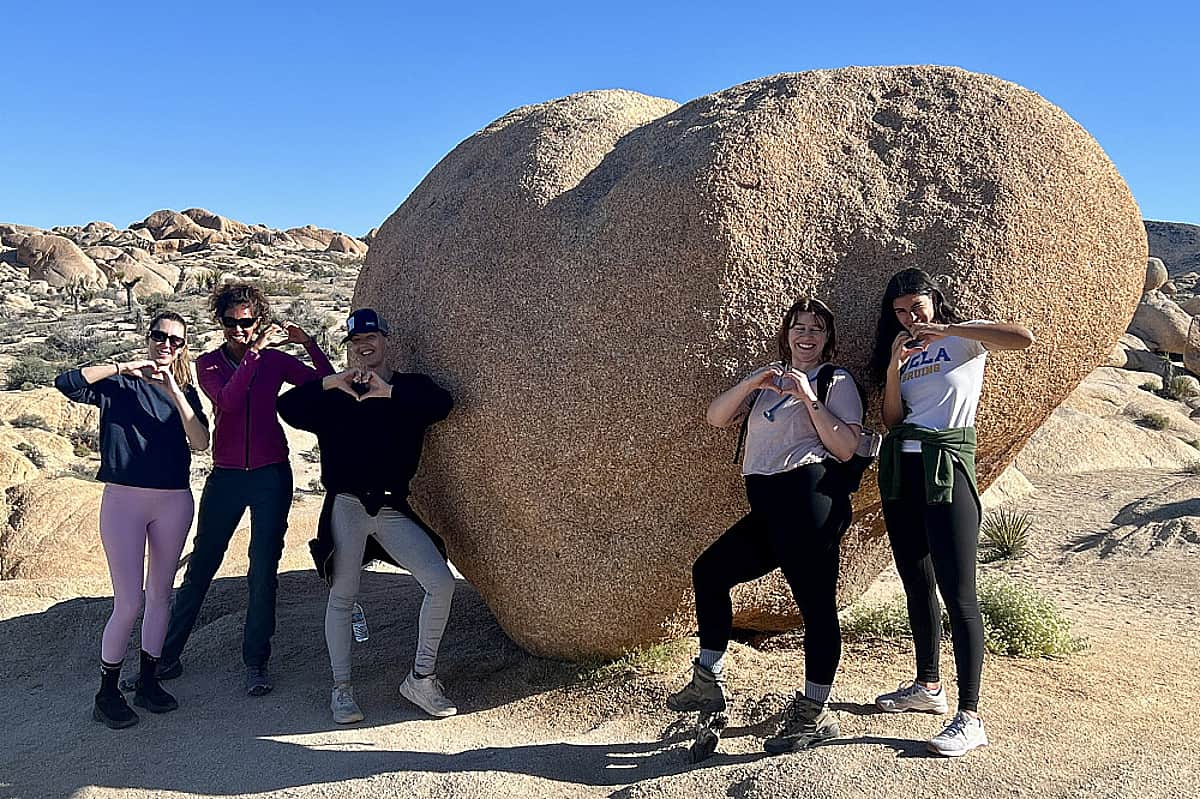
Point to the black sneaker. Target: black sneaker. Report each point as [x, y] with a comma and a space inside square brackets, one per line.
[807, 722]
[258, 682]
[113, 711]
[171, 672]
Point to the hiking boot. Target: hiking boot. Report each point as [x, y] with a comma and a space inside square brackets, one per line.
[258, 681]
[961, 735]
[111, 709]
[171, 671]
[149, 693]
[705, 693]
[345, 709]
[912, 696]
[427, 693]
[807, 722]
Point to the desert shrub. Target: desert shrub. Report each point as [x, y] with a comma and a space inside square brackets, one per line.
[1156, 421]
[207, 279]
[1180, 387]
[31, 420]
[315, 486]
[155, 303]
[248, 251]
[1005, 534]
[281, 288]
[1020, 622]
[30, 371]
[653, 659]
[83, 471]
[85, 440]
[1150, 386]
[887, 621]
[312, 455]
[35, 455]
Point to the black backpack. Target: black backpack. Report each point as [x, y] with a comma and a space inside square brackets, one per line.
[850, 472]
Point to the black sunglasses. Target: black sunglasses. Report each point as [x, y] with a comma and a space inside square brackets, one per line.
[244, 324]
[159, 336]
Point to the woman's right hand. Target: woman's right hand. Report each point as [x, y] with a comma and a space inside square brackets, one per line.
[143, 368]
[343, 381]
[765, 377]
[901, 353]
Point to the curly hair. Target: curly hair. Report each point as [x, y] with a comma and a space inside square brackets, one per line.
[226, 295]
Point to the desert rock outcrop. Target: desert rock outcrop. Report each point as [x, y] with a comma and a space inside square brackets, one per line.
[58, 261]
[588, 273]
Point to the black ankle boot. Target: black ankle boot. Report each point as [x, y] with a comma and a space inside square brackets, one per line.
[150, 693]
[111, 708]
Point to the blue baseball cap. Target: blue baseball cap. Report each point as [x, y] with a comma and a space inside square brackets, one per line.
[365, 320]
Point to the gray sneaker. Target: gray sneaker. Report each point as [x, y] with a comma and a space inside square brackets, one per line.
[427, 693]
[912, 696]
[807, 722]
[705, 693]
[345, 709]
[960, 736]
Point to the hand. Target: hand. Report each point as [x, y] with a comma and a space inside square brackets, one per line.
[376, 387]
[900, 352]
[765, 377]
[158, 375]
[796, 384]
[270, 336]
[927, 332]
[136, 368]
[343, 381]
[296, 334]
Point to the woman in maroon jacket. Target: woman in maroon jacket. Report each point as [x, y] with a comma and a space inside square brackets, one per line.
[242, 378]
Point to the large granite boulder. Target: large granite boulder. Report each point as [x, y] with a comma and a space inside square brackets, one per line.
[586, 274]
[343, 243]
[50, 528]
[231, 229]
[1161, 323]
[1156, 274]
[58, 261]
[311, 237]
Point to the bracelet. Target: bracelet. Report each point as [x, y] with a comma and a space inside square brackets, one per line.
[117, 366]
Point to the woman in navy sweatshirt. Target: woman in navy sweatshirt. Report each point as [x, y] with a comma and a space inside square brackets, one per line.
[150, 420]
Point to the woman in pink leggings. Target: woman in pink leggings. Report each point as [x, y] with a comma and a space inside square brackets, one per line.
[150, 420]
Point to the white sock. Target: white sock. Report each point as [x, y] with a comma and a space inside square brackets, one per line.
[817, 693]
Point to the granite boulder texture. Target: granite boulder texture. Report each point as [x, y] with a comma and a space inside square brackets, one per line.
[586, 274]
[58, 261]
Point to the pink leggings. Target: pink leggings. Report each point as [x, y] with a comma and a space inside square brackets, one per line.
[131, 518]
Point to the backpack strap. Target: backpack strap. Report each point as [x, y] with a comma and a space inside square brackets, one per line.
[741, 442]
[824, 381]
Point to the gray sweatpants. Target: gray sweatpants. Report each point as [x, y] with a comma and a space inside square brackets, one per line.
[409, 546]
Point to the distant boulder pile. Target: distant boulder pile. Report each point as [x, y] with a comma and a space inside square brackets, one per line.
[98, 255]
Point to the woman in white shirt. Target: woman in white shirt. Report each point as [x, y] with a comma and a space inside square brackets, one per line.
[931, 364]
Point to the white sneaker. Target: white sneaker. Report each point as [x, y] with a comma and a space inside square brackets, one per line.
[915, 697]
[960, 736]
[427, 693]
[345, 709]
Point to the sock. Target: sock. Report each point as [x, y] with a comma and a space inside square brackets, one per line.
[817, 693]
[110, 674]
[418, 675]
[712, 660]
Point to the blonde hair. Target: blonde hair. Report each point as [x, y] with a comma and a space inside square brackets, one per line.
[181, 365]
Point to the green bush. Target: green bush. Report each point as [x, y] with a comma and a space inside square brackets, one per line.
[83, 471]
[1180, 387]
[1005, 534]
[1150, 386]
[31, 420]
[34, 454]
[32, 371]
[85, 440]
[1156, 421]
[1019, 622]
[653, 659]
[155, 304]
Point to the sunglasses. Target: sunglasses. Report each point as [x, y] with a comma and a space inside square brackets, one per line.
[244, 324]
[159, 337]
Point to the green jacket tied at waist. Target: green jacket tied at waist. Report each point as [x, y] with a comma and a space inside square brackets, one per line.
[939, 448]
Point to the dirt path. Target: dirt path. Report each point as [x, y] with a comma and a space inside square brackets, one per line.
[1113, 721]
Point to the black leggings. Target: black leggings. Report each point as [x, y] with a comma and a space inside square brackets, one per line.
[935, 548]
[795, 523]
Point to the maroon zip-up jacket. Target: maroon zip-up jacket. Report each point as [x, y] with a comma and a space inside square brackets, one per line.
[247, 433]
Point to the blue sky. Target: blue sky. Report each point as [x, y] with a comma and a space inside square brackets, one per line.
[295, 113]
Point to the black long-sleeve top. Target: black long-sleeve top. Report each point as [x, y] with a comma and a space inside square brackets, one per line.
[142, 440]
[369, 449]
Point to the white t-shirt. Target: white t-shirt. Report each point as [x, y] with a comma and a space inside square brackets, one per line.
[791, 440]
[940, 386]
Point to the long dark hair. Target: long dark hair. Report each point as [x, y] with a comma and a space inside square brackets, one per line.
[816, 308]
[181, 367]
[905, 282]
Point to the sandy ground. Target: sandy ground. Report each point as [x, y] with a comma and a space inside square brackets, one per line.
[1113, 721]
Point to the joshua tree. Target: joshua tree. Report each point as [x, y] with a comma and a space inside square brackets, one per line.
[128, 286]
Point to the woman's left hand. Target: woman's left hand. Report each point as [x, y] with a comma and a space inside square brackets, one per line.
[796, 384]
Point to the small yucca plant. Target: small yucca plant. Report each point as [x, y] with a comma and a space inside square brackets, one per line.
[1005, 534]
[1180, 387]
